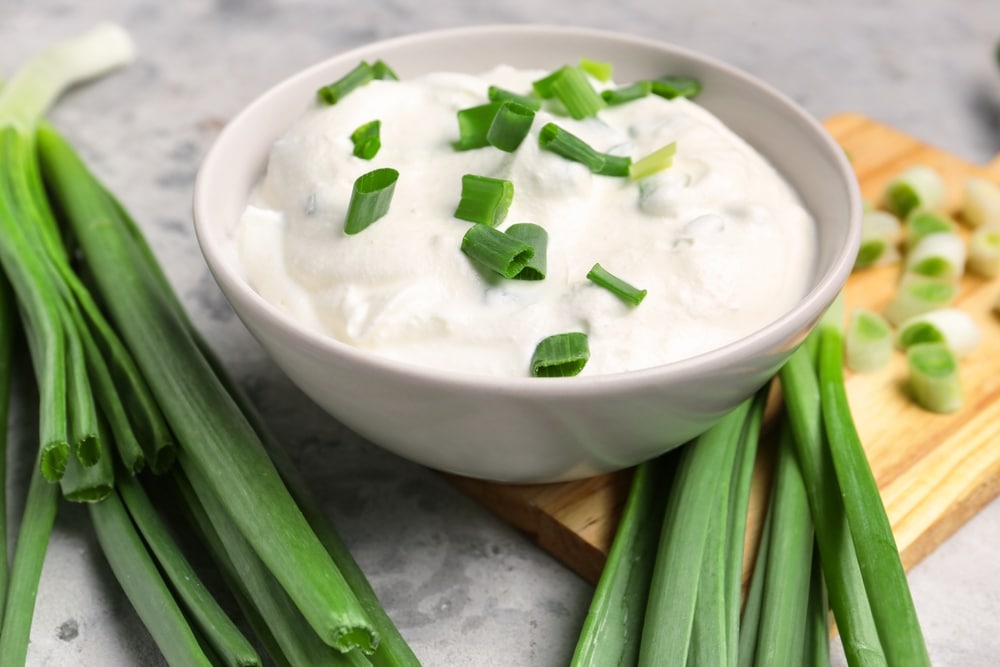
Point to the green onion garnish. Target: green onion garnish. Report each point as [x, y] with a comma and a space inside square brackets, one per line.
[933, 377]
[370, 198]
[484, 200]
[656, 161]
[560, 355]
[952, 326]
[559, 141]
[921, 222]
[536, 237]
[623, 290]
[571, 87]
[496, 251]
[382, 71]
[675, 86]
[497, 94]
[510, 126]
[634, 91]
[474, 124]
[918, 294]
[357, 77]
[366, 140]
[601, 71]
[920, 186]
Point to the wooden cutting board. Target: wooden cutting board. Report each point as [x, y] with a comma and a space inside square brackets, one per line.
[935, 471]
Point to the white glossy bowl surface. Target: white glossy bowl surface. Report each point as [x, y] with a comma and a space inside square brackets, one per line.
[527, 429]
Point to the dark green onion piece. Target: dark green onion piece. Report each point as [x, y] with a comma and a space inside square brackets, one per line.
[497, 94]
[538, 239]
[573, 89]
[367, 140]
[675, 86]
[557, 140]
[543, 87]
[601, 71]
[370, 199]
[510, 126]
[474, 124]
[357, 77]
[623, 290]
[382, 71]
[560, 355]
[484, 200]
[496, 251]
[635, 91]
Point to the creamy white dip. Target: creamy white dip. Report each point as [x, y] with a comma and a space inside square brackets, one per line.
[719, 240]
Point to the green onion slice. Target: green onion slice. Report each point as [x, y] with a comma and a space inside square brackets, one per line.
[560, 355]
[497, 94]
[510, 126]
[634, 91]
[370, 199]
[484, 200]
[570, 86]
[566, 144]
[920, 186]
[602, 71]
[367, 140]
[623, 290]
[380, 70]
[675, 86]
[933, 377]
[536, 237]
[474, 126]
[496, 251]
[868, 341]
[656, 161]
[334, 92]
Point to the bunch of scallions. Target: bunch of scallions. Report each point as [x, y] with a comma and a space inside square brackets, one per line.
[133, 406]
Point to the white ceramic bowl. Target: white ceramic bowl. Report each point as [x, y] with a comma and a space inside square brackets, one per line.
[527, 429]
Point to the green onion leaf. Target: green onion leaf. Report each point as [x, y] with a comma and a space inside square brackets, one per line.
[573, 89]
[536, 237]
[366, 140]
[624, 291]
[510, 126]
[473, 126]
[557, 140]
[675, 86]
[361, 74]
[370, 199]
[496, 251]
[497, 94]
[635, 91]
[601, 71]
[484, 200]
[560, 355]
[656, 161]
[933, 377]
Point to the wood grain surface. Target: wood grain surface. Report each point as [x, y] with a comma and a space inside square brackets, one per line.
[934, 471]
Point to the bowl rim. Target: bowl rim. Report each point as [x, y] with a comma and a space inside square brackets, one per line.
[803, 315]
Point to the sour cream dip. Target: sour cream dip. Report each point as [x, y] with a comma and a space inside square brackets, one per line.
[719, 240]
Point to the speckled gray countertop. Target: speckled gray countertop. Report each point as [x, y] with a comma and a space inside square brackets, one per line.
[465, 588]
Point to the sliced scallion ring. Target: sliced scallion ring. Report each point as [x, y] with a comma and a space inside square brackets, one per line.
[474, 124]
[933, 377]
[370, 198]
[366, 139]
[560, 355]
[920, 186]
[536, 237]
[484, 200]
[868, 341]
[951, 326]
[570, 86]
[496, 250]
[510, 125]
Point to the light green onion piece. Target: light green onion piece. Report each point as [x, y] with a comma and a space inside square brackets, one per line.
[874, 251]
[560, 355]
[880, 232]
[623, 290]
[675, 86]
[868, 341]
[602, 71]
[510, 125]
[366, 140]
[495, 250]
[536, 237]
[370, 198]
[933, 377]
[484, 200]
[920, 186]
[921, 222]
[570, 86]
[940, 255]
[473, 126]
[984, 251]
[918, 294]
[951, 326]
[980, 202]
[634, 91]
[656, 161]
[497, 94]
[557, 140]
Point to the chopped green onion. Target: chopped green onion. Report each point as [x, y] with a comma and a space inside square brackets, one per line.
[370, 198]
[940, 255]
[952, 326]
[543, 87]
[675, 86]
[933, 377]
[918, 294]
[510, 126]
[880, 232]
[366, 139]
[602, 71]
[557, 140]
[868, 341]
[623, 290]
[538, 239]
[484, 200]
[920, 186]
[984, 251]
[980, 202]
[495, 250]
[873, 251]
[922, 222]
[359, 76]
[497, 94]
[629, 93]
[474, 125]
[382, 71]
[571, 87]
[656, 161]
[560, 355]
